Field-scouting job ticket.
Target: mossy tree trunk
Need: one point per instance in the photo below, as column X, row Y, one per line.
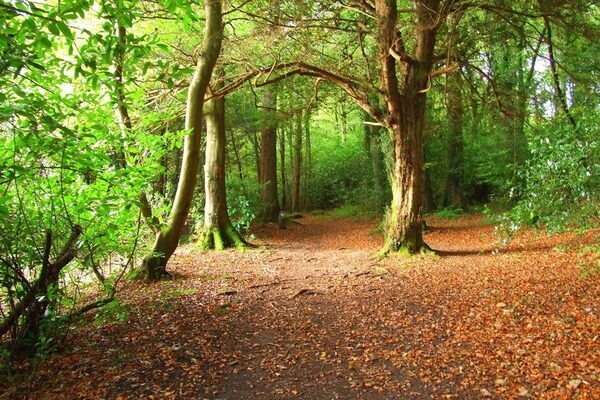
column 405, row 119
column 268, row 161
column 405, row 229
column 167, row 240
column 218, row 232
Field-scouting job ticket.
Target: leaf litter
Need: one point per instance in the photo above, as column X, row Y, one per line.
column 312, row 316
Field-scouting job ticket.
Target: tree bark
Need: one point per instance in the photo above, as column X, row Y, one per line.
column 406, row 115
column 344, row 121
column 308, row 161
column 297, row 175
column 284, row 200
column 256, row 148
column 218, row 233
column 167, row 240
column 454, row 184
column 428, row 200
column 268, row 161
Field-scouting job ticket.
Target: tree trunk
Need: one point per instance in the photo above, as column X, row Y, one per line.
column 268, row 161
column 256, row 148
column 428, row 201
column 559, row 95
column 454, row 185
column 406, row 115
column 377, row 164
column 284, row 201
column 238, row 160
column 405, row 231
column 344, row 120
column 218, row 232
column 308, row 161
column 154, row 265
column 297, row 164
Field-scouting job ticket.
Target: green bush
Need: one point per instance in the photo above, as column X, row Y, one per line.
column 561, row 179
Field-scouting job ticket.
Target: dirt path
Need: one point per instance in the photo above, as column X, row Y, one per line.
column 314, row 317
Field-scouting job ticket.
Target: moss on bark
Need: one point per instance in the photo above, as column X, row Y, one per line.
column 221, row 238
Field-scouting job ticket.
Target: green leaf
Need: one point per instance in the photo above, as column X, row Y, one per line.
column 64, row 28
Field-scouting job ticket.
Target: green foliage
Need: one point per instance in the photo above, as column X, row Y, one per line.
column 113, row 312
column 341, row 172
column 242, row 214
column 561, row 189
column 60, row 147
column 449, row 213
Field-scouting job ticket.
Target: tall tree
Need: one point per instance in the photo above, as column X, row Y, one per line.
column 297, row 166
column 282, row 171
column 218, row 233
column 167, row 240
column 406, row 114
column 268, row 160
column 307, row 159
column 454, row 181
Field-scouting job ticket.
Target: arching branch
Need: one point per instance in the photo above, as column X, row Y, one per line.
column 358, row 91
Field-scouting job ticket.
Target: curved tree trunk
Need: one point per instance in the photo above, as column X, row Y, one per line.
column 268, row 161
column 154, row 265
column 218, row 232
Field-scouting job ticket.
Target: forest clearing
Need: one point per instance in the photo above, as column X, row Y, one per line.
column 315, row 199
column 313, row 316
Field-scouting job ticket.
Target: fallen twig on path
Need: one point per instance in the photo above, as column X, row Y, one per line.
column 305, row 291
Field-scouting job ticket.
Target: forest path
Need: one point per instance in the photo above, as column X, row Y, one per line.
column 313, row 316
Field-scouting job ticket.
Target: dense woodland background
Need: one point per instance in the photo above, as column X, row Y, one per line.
column 100, row 127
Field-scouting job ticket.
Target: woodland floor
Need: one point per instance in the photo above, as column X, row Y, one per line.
column 312, row 316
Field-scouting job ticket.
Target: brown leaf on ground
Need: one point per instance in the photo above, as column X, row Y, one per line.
column 476, row 320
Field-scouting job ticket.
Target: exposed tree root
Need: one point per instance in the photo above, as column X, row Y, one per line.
column 404, row 248
column 221, row 238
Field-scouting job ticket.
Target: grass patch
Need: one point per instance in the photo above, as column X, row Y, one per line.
column 449, row 213
column 351, row 211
